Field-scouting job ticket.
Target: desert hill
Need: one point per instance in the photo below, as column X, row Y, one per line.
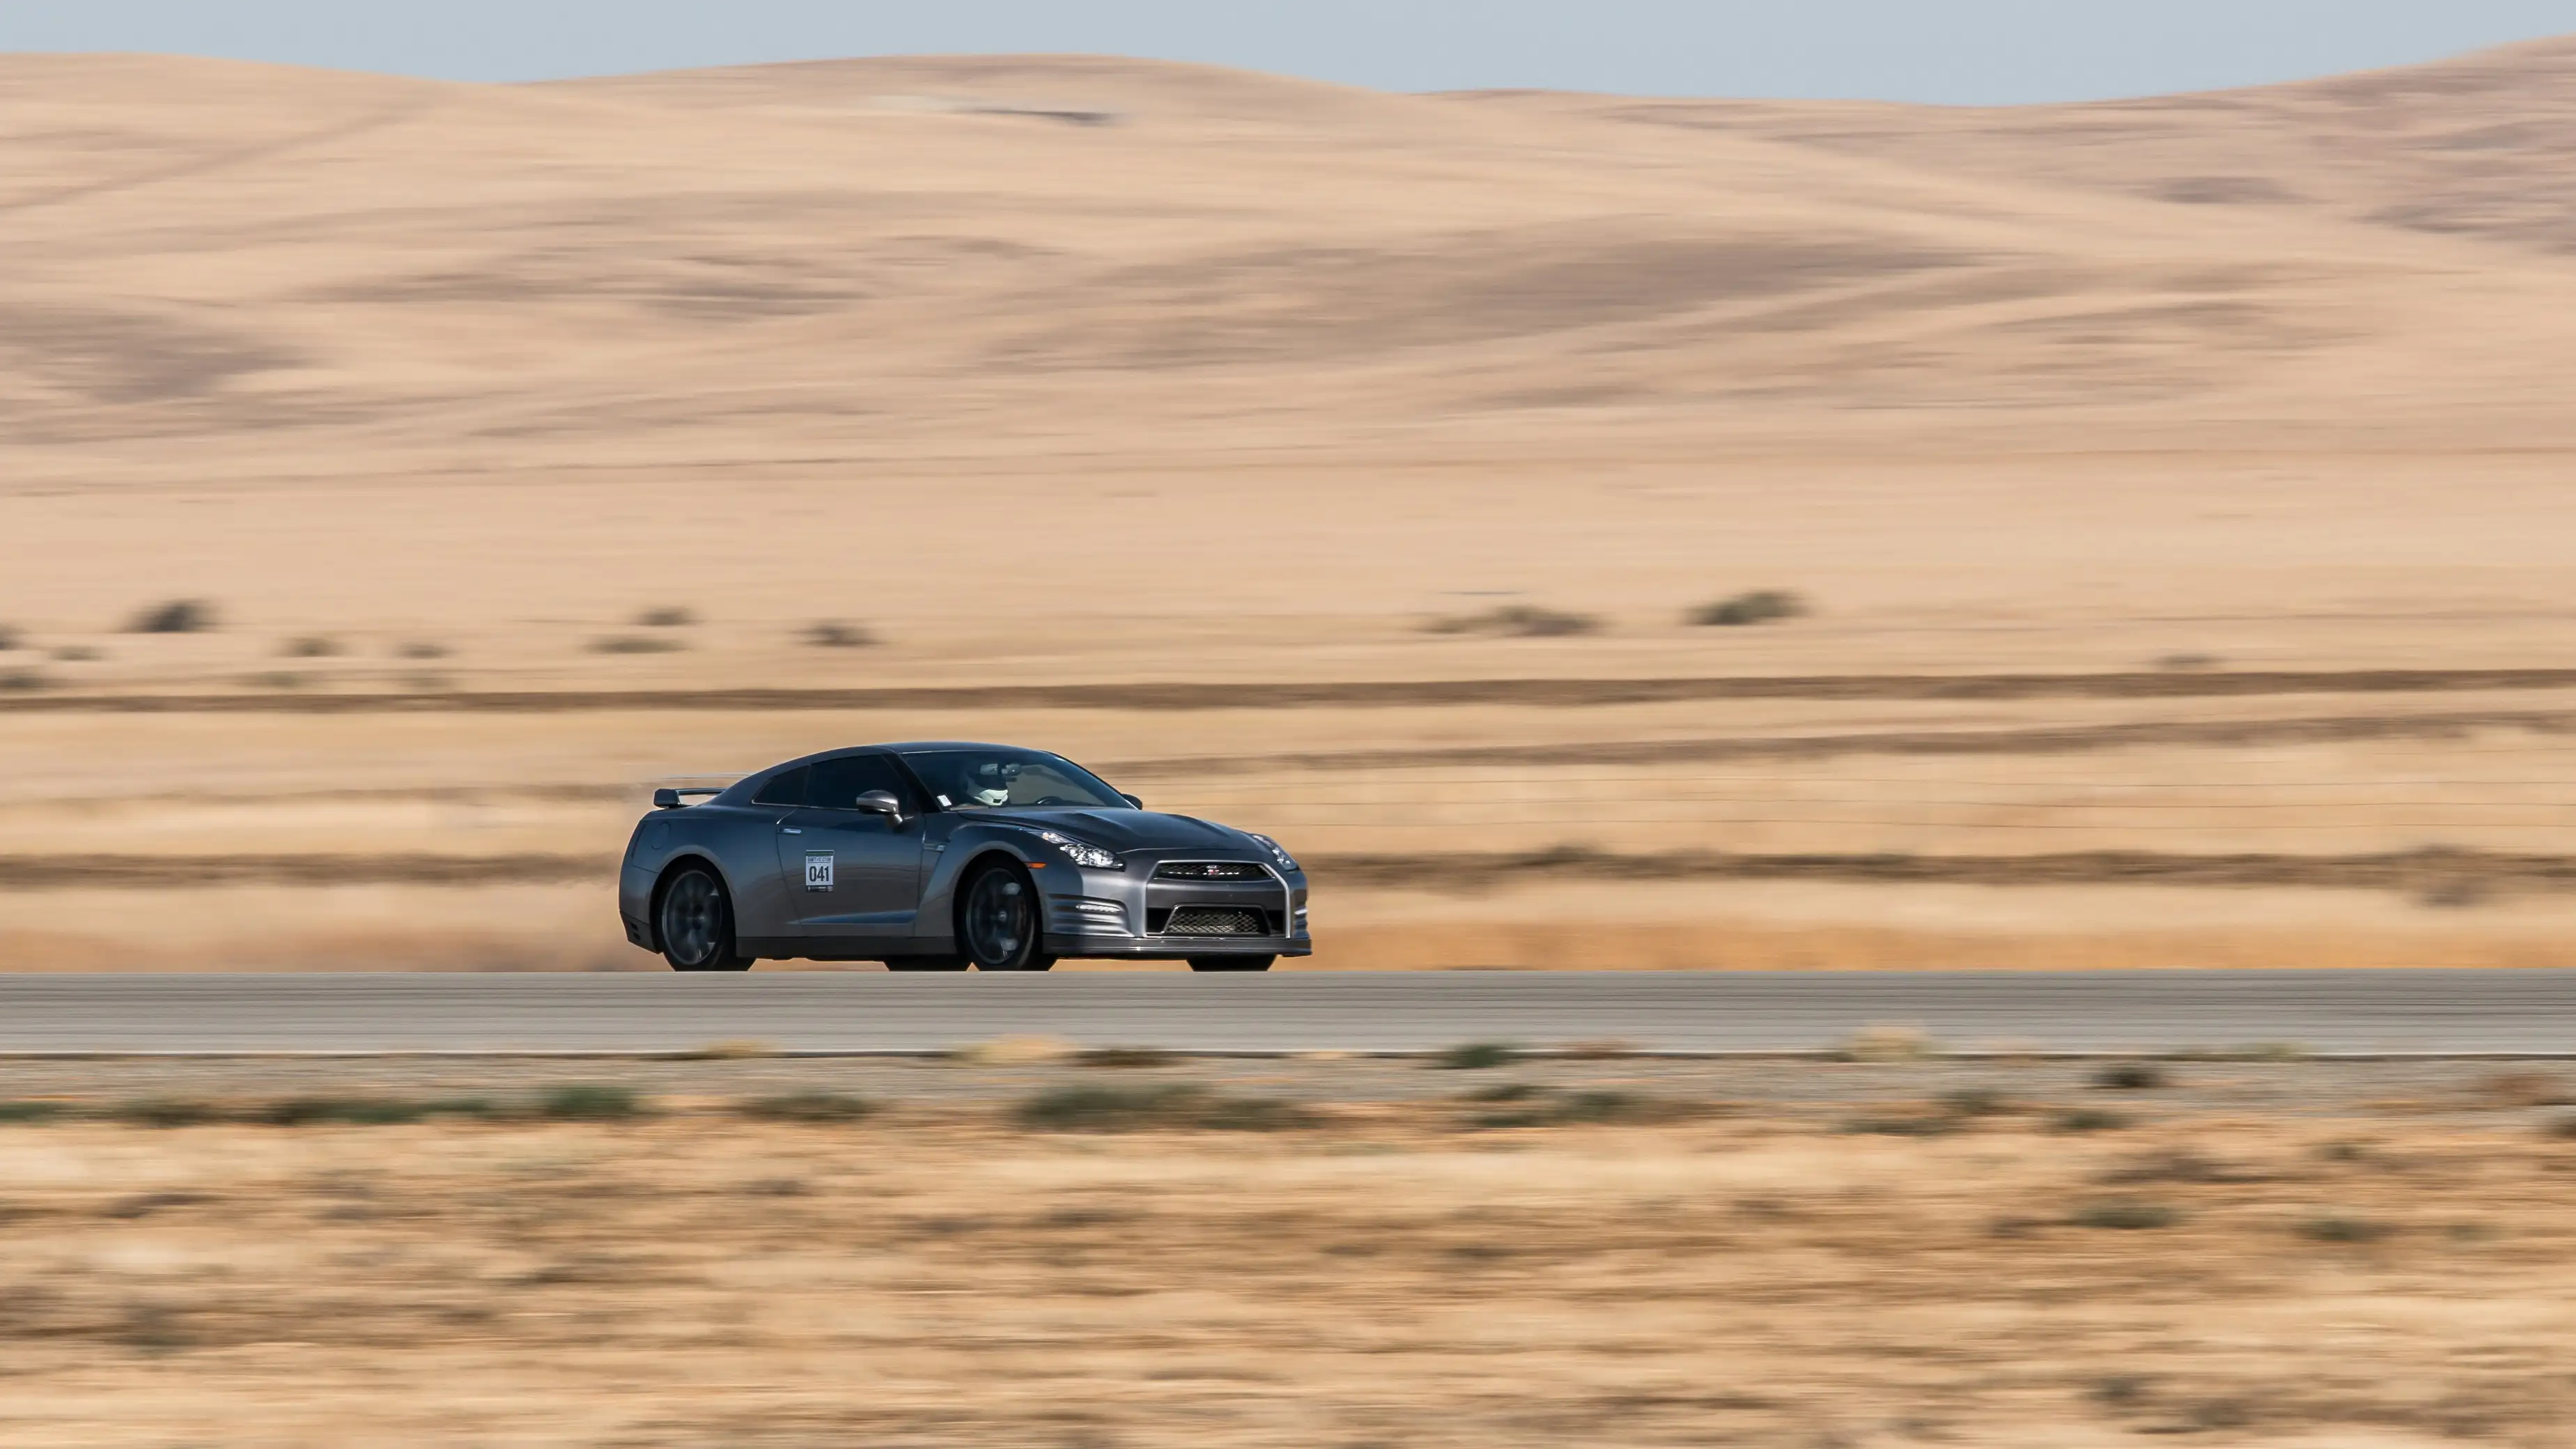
column 2467, row 147
column 767, row 260
column 921, row 295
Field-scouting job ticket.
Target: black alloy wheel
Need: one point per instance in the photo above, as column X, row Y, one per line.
column 998, row 925
column 697, row 923
column 1231, row 963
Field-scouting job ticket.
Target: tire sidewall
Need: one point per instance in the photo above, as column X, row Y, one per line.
column 1031, row 954
column 722, row 955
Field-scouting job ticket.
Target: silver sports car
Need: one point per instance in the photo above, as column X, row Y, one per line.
column 937, row 857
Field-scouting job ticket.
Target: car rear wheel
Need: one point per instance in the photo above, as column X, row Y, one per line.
column 697, row 923
column 998, row 925
column 1231, row 963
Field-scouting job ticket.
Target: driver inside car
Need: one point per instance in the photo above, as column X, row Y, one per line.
column 990, row 782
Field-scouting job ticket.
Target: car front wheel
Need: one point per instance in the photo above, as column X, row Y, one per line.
column 998, row 925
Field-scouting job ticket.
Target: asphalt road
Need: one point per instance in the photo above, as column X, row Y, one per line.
column 2325, row 1012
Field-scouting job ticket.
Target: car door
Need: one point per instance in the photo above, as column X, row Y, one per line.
column 766, row 901
column 859, row 871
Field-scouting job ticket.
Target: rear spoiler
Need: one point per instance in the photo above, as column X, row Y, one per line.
column 669, row 799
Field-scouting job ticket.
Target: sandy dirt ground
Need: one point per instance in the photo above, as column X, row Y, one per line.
column 1286, row 1253
column 1057, row 372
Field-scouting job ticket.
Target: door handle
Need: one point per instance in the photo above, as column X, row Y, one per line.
column 786, row 830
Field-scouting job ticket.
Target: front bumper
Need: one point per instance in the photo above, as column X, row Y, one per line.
column 1156, row 948
column 1129, row 914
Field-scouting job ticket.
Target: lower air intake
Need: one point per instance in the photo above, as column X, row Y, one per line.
column 1214, row 921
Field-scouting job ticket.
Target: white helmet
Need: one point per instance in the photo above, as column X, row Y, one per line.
column 990, row 782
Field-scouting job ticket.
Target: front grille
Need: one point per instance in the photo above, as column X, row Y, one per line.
column 1209, row 870
column 1216, row 921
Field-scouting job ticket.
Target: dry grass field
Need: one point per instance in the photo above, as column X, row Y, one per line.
column 529, row 444
column 1284, row 1253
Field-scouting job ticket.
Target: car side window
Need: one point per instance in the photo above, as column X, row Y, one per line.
column 787, row 789
column 838, row 784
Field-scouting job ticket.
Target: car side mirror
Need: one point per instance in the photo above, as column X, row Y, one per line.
column 1132, row 800
column 880, row 802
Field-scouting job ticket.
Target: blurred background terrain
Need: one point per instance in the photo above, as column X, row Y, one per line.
column 399, row 476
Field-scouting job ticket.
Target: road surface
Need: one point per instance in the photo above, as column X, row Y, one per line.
column 2325, row 1012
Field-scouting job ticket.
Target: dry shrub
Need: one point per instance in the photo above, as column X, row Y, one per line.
column 175, row 616
column 2130, row 1077
column 2120, row 1391
column 1975, row 1102
column 1903, row 1124
column 23, row 681
column 367, row 1111
column 11, row 638
column 312, row 646
column 1126, row 1057
column 1517, row 621
column 78, row 654
column 1540, row 1107
column 1762, row 606
column 2125, row 1215
column 833, row 634
column 144, row 1205
column 2177, row 1165
column 634, row 644
column 1477, row 1056
column 1141, row 1109
column 809, row 1107
column 168, row 1112
column 2336, row 1228
column 421, row 649
column 667, row 616
column 2087, row 1119
column 590, row 1102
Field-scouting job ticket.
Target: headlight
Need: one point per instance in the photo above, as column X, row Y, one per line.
column 1268, row 844
column 1078, row 852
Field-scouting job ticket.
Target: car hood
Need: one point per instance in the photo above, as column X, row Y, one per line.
column 1123, row 830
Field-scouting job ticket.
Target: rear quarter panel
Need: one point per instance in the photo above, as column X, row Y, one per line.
column 737, row 843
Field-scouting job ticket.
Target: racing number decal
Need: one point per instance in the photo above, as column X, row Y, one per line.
column 818, row 870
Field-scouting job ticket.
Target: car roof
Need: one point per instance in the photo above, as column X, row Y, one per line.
column 897, row 748
column 740, row 789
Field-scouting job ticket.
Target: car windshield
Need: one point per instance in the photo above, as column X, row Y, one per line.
column 1003, row 779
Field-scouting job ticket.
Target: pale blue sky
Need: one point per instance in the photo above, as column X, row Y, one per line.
column 1960, row 51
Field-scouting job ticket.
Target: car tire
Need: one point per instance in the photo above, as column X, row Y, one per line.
column 695, row 914
column 1000, row 923
column 1231, row 963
